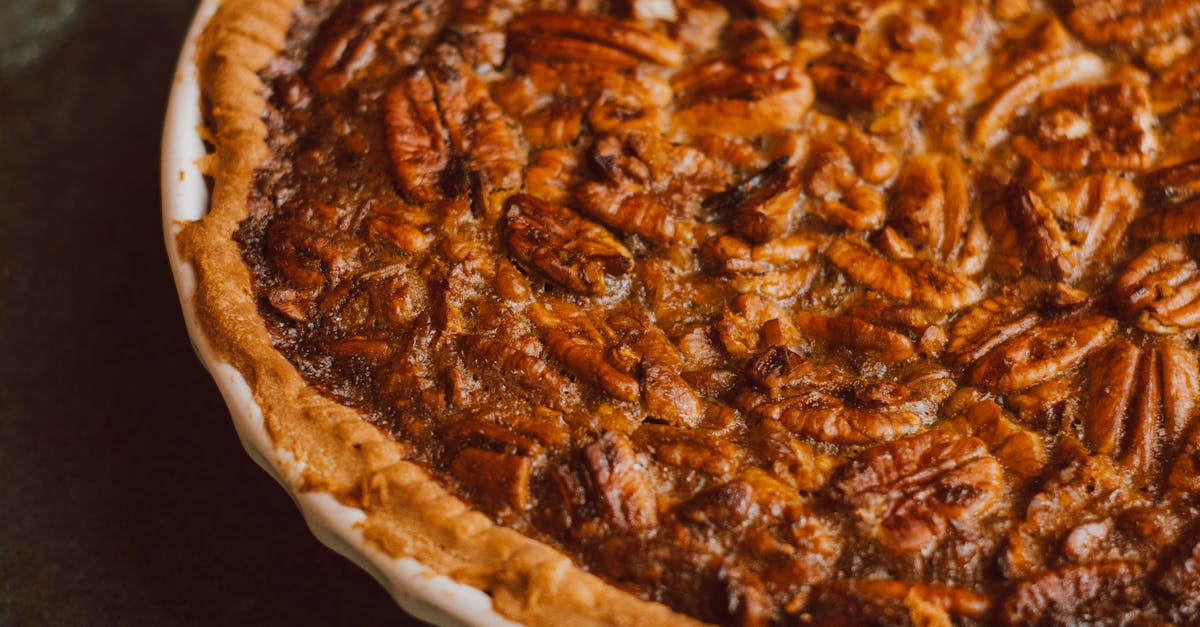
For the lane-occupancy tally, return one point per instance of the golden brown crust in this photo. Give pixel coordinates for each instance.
(408, 514)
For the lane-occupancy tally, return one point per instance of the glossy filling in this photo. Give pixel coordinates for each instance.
(853, 311)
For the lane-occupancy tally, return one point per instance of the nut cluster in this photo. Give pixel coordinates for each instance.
(850, 312)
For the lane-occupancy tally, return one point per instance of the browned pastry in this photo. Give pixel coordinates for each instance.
(767, 312)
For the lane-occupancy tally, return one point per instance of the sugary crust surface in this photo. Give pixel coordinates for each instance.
(408, 514)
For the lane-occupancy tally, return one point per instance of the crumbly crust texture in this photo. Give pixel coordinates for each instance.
(408, 514)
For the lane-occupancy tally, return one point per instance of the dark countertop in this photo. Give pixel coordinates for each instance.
(126, 497)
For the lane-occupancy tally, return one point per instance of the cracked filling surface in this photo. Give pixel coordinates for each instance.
(776, 312)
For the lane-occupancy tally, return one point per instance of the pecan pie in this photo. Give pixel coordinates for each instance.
(751, 312)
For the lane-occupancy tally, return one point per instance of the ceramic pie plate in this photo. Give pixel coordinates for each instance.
(417, 589)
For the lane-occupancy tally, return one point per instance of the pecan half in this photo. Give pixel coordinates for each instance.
(799, 464)
(922, 326)
(1074, 232)
(909, 280)
(1043, 352)
(352, 39)
(1176, 86)
(769, 523)
(476, 129)
(576, 341)
(841, 199)
(481, 434)
(291, 303)
(416, 136)
(1184, 476)
(1160, 290)
(839, 409)
(931, 209)
(435, 115)
(552, 174)
(844, 173)
(1100, 207)
(1093, 593)
(1077, 491)
(409, 382)
(780, 268)
(683, 447)
(593, 40)
(747, 97)
(1177, 192)
(587, 360)
(308, 256)
(576, 253)
(475, 31)
(777, 367)
(910, 491)
(615, 484)
(406, 238)
(1048, 251)
(991, 323)
(991, 128)
(558, 123)
(1017, 448)
(1138, 533)
(868, 267)
(499, 479)
(359, 346)
(677, 300)
(529, 370)
(665, 394)
(827, 418)
(648, 186)
(1042, 40)
(1178, 183)
(1142, 401)
(847, 79)
(744, 325)
(1131, 22)
(1092, 128)
(761, 206)
(492, 462)
(858, 335)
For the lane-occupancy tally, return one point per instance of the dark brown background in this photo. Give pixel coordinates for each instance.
(125, 498)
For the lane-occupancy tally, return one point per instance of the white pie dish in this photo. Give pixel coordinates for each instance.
(418, 590)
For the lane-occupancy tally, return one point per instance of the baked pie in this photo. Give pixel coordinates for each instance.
(750, 312)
